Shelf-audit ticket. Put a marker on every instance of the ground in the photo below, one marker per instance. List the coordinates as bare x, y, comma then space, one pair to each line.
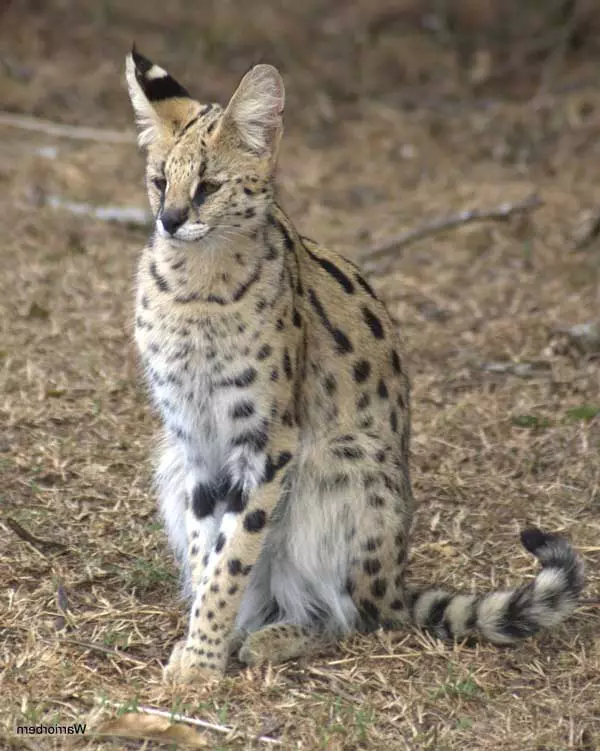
381, 137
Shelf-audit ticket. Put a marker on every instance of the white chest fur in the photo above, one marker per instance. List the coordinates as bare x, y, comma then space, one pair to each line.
205, 383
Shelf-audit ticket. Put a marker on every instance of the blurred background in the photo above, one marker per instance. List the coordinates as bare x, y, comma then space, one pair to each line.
398, 116
401, 52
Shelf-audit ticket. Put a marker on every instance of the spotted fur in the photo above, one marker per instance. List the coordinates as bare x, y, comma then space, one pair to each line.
283, 475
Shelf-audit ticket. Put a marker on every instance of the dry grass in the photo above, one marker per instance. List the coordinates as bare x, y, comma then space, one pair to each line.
91, 620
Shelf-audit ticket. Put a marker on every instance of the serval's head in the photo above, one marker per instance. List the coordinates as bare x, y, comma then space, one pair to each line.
209, 169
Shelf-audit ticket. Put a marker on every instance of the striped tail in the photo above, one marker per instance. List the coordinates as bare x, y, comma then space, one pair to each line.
505, 617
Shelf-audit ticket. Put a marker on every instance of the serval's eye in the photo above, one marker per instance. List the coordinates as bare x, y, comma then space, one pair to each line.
160, 184
204, 189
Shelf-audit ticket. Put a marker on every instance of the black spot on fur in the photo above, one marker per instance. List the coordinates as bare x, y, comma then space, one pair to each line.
376, 501
272, 252
346, 438
373, 323
344, 346
390, 484
330, 384
372, 566
370, 611
235, 566
256, 440
362, 370
236, 501
297, 319
287, 365
264, 352
379, 588
370, 479
382, 389
396, 362
255, 521
287, 239
372, 544
243, 379
159, 279
242, 409
363, 401
334, 271
220, 543
245, 286
365, 285
394, 421
343, 343
204, 499
191, 297
185, 129
273, 467
348, 452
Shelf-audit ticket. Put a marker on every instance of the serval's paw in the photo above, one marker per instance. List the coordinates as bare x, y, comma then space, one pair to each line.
275, 643
192, 664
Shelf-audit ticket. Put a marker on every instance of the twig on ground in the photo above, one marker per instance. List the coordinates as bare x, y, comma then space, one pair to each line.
176, 717
133, 215
499, 213
78, 132
331, 680
62, 603
100, 648
43, 546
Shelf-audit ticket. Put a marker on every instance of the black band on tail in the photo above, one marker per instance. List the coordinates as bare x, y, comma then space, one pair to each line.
505, 617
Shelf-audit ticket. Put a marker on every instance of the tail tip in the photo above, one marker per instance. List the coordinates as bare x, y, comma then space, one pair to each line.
533, 539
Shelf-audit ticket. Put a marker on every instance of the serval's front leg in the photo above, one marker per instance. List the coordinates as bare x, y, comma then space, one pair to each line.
223, 580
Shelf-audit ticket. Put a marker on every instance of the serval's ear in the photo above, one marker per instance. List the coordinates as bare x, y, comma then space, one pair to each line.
254, 113
161, 105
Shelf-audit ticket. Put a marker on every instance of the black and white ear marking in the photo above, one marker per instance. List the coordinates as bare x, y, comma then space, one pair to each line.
160, 103
154, 81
